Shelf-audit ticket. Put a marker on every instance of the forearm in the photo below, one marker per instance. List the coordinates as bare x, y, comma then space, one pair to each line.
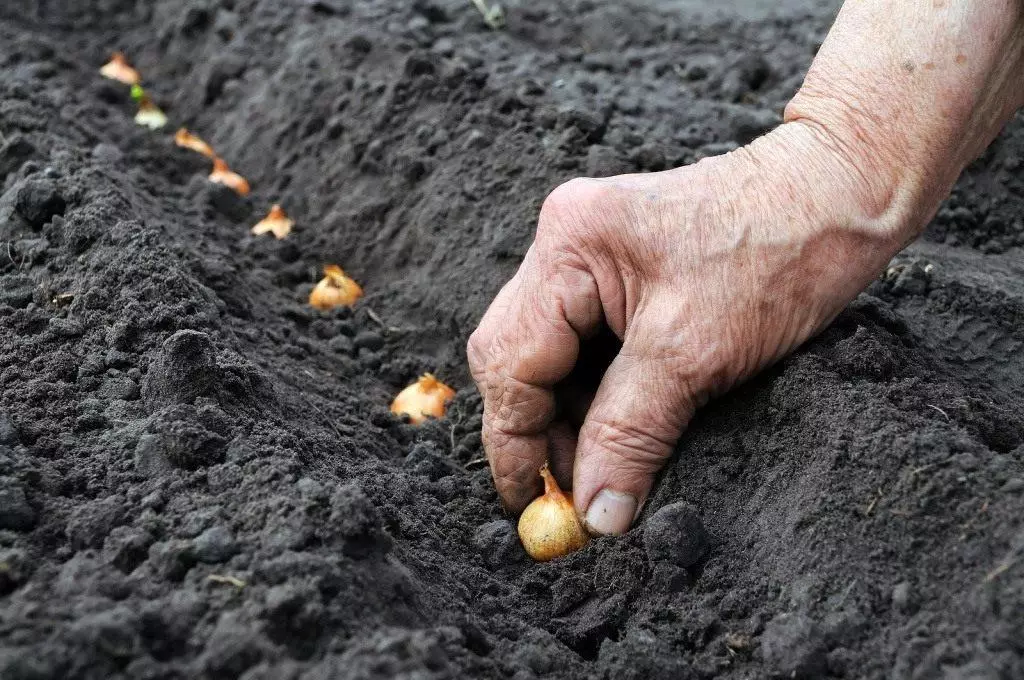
909, 92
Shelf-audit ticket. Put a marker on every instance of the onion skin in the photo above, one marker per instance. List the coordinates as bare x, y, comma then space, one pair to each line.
549, 526
425, 398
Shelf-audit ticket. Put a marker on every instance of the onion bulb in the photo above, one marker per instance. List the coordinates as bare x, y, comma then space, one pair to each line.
118, 69
186, 139
549, 527
275, 222
424, 398
150, 115
336, 289
222, 174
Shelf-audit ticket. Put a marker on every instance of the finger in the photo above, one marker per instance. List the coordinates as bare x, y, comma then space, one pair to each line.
637, 415
520, 351
562, 452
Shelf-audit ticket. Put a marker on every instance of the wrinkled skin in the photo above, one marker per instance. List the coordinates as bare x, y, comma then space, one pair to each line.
707, 274
697, 271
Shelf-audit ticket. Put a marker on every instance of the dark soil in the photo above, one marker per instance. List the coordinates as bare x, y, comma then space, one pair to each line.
199, 476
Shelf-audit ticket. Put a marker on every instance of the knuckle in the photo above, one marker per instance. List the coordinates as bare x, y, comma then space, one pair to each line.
475, 351
516, 408
510, 469
636, 447
571, 201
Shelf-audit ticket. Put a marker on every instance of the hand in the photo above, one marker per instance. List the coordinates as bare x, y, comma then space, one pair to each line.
711, 272
706, 274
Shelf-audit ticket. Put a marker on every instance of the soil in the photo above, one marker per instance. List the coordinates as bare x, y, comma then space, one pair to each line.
199, 475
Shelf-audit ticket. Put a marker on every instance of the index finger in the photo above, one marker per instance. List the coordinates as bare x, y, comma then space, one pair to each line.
527, 341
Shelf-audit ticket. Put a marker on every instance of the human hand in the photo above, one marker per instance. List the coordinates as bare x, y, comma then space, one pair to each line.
706, 274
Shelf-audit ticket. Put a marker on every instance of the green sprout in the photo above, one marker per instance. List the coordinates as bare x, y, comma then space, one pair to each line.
494, 16
137, 92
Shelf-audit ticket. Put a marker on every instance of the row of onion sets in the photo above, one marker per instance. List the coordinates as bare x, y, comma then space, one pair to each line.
425, 398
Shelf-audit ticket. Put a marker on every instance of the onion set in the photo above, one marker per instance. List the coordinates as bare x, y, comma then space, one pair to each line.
187, 140
150, 115
336, 289
276, 222
549, 526
222, 174
425, 398
118, 69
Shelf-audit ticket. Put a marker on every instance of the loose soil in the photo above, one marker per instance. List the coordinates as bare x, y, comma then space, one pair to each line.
199, 475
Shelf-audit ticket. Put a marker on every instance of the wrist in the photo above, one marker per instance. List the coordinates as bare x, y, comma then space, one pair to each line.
907, 96
842, 187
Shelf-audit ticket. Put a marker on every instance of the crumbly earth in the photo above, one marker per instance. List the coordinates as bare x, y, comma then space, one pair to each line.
199, 475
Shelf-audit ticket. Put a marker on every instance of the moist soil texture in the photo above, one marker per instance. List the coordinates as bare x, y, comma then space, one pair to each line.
199, 473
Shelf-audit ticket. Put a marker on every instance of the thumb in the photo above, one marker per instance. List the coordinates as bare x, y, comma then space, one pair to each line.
640, 409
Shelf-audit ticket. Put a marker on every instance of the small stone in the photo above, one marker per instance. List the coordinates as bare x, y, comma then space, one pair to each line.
15, 512
912, 280
216, 544
499, 543
38, 200
676, 534
369, 340
794, 647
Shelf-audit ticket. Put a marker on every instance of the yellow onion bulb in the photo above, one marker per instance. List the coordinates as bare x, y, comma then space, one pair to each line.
150, 115
425, 398
186, 139
118, 69
336, 289
549, 526
276, 223
222, 174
